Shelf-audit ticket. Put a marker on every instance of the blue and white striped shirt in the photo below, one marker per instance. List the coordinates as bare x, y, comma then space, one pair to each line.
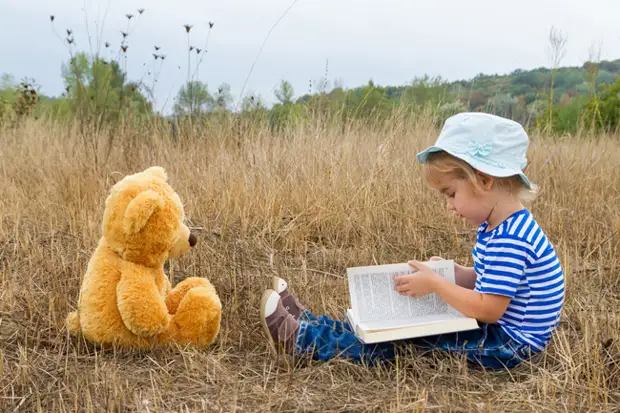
516, 260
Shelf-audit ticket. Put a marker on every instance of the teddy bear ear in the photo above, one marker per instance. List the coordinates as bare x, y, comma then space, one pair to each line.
140, 210
157, 171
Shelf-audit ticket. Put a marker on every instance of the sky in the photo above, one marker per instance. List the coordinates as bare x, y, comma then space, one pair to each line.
354, 41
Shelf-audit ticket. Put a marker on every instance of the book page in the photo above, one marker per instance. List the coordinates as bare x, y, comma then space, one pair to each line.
374, 298
405, 322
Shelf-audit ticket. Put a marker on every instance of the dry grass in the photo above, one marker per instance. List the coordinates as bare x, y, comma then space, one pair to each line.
304, 206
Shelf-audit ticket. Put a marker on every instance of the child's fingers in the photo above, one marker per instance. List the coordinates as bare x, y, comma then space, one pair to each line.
402, 278
401, 288
418, 265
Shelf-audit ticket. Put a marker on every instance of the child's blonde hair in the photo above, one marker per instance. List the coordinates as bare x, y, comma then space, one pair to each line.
440, 164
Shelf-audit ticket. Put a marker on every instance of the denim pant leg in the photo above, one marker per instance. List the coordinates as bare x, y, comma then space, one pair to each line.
325, 338
323, 319
490, 346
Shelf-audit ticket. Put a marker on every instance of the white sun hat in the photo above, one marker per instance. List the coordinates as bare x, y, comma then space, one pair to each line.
491, 144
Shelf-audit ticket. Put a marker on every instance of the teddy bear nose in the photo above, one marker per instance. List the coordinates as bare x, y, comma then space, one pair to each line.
192, 240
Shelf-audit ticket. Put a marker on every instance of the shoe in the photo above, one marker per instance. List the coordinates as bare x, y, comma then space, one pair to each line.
280, 327
289, 300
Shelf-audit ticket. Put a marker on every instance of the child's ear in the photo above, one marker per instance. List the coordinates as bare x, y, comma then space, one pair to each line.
486, 181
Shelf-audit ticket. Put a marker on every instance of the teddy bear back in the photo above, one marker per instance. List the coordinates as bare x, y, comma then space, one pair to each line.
142, 217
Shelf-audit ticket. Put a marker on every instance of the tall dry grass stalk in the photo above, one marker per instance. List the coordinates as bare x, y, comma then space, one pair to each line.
305, 206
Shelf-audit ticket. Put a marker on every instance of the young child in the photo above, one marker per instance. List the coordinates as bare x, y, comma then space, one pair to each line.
515, 289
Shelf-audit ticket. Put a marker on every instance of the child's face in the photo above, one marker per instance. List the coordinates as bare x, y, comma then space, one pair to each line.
463, 202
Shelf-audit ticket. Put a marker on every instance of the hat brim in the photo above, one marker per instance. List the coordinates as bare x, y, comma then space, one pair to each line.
477, 164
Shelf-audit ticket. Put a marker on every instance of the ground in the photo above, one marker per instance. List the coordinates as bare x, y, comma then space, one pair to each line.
304, 206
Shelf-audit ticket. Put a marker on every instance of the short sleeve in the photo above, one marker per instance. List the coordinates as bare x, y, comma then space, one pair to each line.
504, 263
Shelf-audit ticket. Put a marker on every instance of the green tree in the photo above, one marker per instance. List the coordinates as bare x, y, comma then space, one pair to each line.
566, 117
502, 104
603, 111
605, 77
98, 90
427, 90
193, 99
223, 98
369, 102
7, 85
285, 93
252, 102
8, 93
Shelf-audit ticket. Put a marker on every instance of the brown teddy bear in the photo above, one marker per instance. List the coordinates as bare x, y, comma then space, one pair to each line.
125, 297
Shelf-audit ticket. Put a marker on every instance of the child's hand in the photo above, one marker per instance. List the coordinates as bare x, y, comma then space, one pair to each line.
463, 276
419, 284
457, 267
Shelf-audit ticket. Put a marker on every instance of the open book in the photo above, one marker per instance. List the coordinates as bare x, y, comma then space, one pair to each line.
379, 313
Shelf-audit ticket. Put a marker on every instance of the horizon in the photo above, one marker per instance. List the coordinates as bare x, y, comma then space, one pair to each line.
356, 50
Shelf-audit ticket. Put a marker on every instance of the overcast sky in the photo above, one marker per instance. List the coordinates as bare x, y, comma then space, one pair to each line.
390, 41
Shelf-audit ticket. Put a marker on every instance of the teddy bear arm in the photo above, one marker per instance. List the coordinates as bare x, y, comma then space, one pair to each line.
167, 286
141, 306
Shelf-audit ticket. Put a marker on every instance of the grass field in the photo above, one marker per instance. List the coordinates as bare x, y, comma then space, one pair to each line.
304, 206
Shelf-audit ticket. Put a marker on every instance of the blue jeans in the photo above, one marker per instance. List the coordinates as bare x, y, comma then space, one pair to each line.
489, 346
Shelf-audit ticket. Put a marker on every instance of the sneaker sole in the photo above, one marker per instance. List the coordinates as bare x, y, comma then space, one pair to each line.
263, 320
